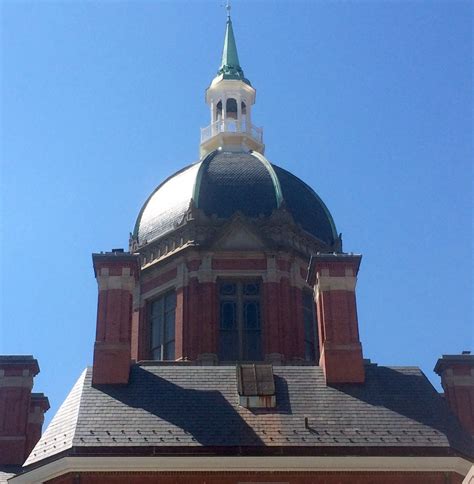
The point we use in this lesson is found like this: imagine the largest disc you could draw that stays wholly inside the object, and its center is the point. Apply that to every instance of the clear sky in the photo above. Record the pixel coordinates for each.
(369, 102)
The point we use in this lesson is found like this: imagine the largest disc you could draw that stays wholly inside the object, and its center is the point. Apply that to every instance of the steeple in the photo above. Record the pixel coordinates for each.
(230, 98)
(230, 66)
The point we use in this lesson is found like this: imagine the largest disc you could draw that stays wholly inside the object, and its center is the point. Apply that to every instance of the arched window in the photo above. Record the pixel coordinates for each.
(240, 324)
(231, 108)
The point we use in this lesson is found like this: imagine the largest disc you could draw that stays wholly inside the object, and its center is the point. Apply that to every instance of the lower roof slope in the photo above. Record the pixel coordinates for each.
(176, 408)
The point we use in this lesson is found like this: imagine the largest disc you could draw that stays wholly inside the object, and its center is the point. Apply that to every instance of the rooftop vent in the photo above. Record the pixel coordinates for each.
(256, 386)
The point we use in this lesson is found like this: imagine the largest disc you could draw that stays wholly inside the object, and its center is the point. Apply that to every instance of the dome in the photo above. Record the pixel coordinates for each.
(226, 182)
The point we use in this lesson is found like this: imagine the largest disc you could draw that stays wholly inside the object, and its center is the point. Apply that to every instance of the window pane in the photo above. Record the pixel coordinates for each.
(156, 354)
(157, 307)
(252, 350)
(308, 326)
(156, 331)
(308, 301)
(228, 289)
(229, 345)
(240, 335)
(251, 289)
(251, 315)
(168, 351)
(169, 326)
(170, 301)
(228, 313)
(162, 326)
(309, 351)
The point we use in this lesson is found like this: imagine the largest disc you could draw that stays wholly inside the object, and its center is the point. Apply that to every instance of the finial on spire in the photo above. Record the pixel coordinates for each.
(230, 67)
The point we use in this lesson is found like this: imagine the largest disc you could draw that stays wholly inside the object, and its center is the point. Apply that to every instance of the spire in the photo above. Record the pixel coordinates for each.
(230, 67)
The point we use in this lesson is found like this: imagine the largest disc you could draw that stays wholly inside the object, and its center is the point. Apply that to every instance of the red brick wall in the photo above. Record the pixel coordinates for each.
(197, 310)
(21, 414)
(263, 477)
(341, 351)
(457, 378)
(159, 280)
(112, 349)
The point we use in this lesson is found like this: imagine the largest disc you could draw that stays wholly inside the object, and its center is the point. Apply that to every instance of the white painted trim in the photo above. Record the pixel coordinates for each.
(244, 464)
(469, 479)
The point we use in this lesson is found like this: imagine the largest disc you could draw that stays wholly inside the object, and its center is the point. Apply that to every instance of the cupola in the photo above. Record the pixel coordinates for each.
(230, 98)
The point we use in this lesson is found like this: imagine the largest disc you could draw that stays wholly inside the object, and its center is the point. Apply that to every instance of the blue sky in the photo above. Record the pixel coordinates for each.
(369, 102)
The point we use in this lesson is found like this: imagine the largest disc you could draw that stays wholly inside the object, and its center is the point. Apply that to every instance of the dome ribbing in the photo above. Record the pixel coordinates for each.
(226, 182)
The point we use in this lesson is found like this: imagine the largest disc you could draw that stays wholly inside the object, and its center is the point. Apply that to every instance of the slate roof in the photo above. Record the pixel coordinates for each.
(232, 182)
(6, 472)
(178, 407)
(225, 182)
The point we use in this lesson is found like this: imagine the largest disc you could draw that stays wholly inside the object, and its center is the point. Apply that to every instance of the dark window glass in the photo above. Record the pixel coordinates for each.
(251, 289)
(228, 320)
(310, 328)
(162, 321)
(240, 321)
(228, 289)
(251, 315)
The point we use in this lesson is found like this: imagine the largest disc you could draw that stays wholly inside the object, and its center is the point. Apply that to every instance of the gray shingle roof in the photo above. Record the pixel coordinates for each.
(60, 432)
(8, 471)
(166, 407)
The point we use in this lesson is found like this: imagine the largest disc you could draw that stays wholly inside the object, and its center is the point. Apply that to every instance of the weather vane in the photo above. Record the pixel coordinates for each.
(228, 7)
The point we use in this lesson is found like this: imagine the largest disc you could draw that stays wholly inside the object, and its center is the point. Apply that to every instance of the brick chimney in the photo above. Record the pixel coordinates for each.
(116, 273)
(21, 412)
(334, 279)
(39, 405)
(457, 379)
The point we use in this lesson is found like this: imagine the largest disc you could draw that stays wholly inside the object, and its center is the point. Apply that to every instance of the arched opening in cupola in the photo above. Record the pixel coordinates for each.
(243, 120)
(218, 111)
(231, 108)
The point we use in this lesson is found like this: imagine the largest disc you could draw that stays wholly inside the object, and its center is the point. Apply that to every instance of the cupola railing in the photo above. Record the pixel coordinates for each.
(231, 126)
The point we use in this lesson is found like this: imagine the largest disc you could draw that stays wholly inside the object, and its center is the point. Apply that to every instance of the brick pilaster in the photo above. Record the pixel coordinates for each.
(334, 279)
(39, 405)
(16, 382)
(116, 273)
(457, 379)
